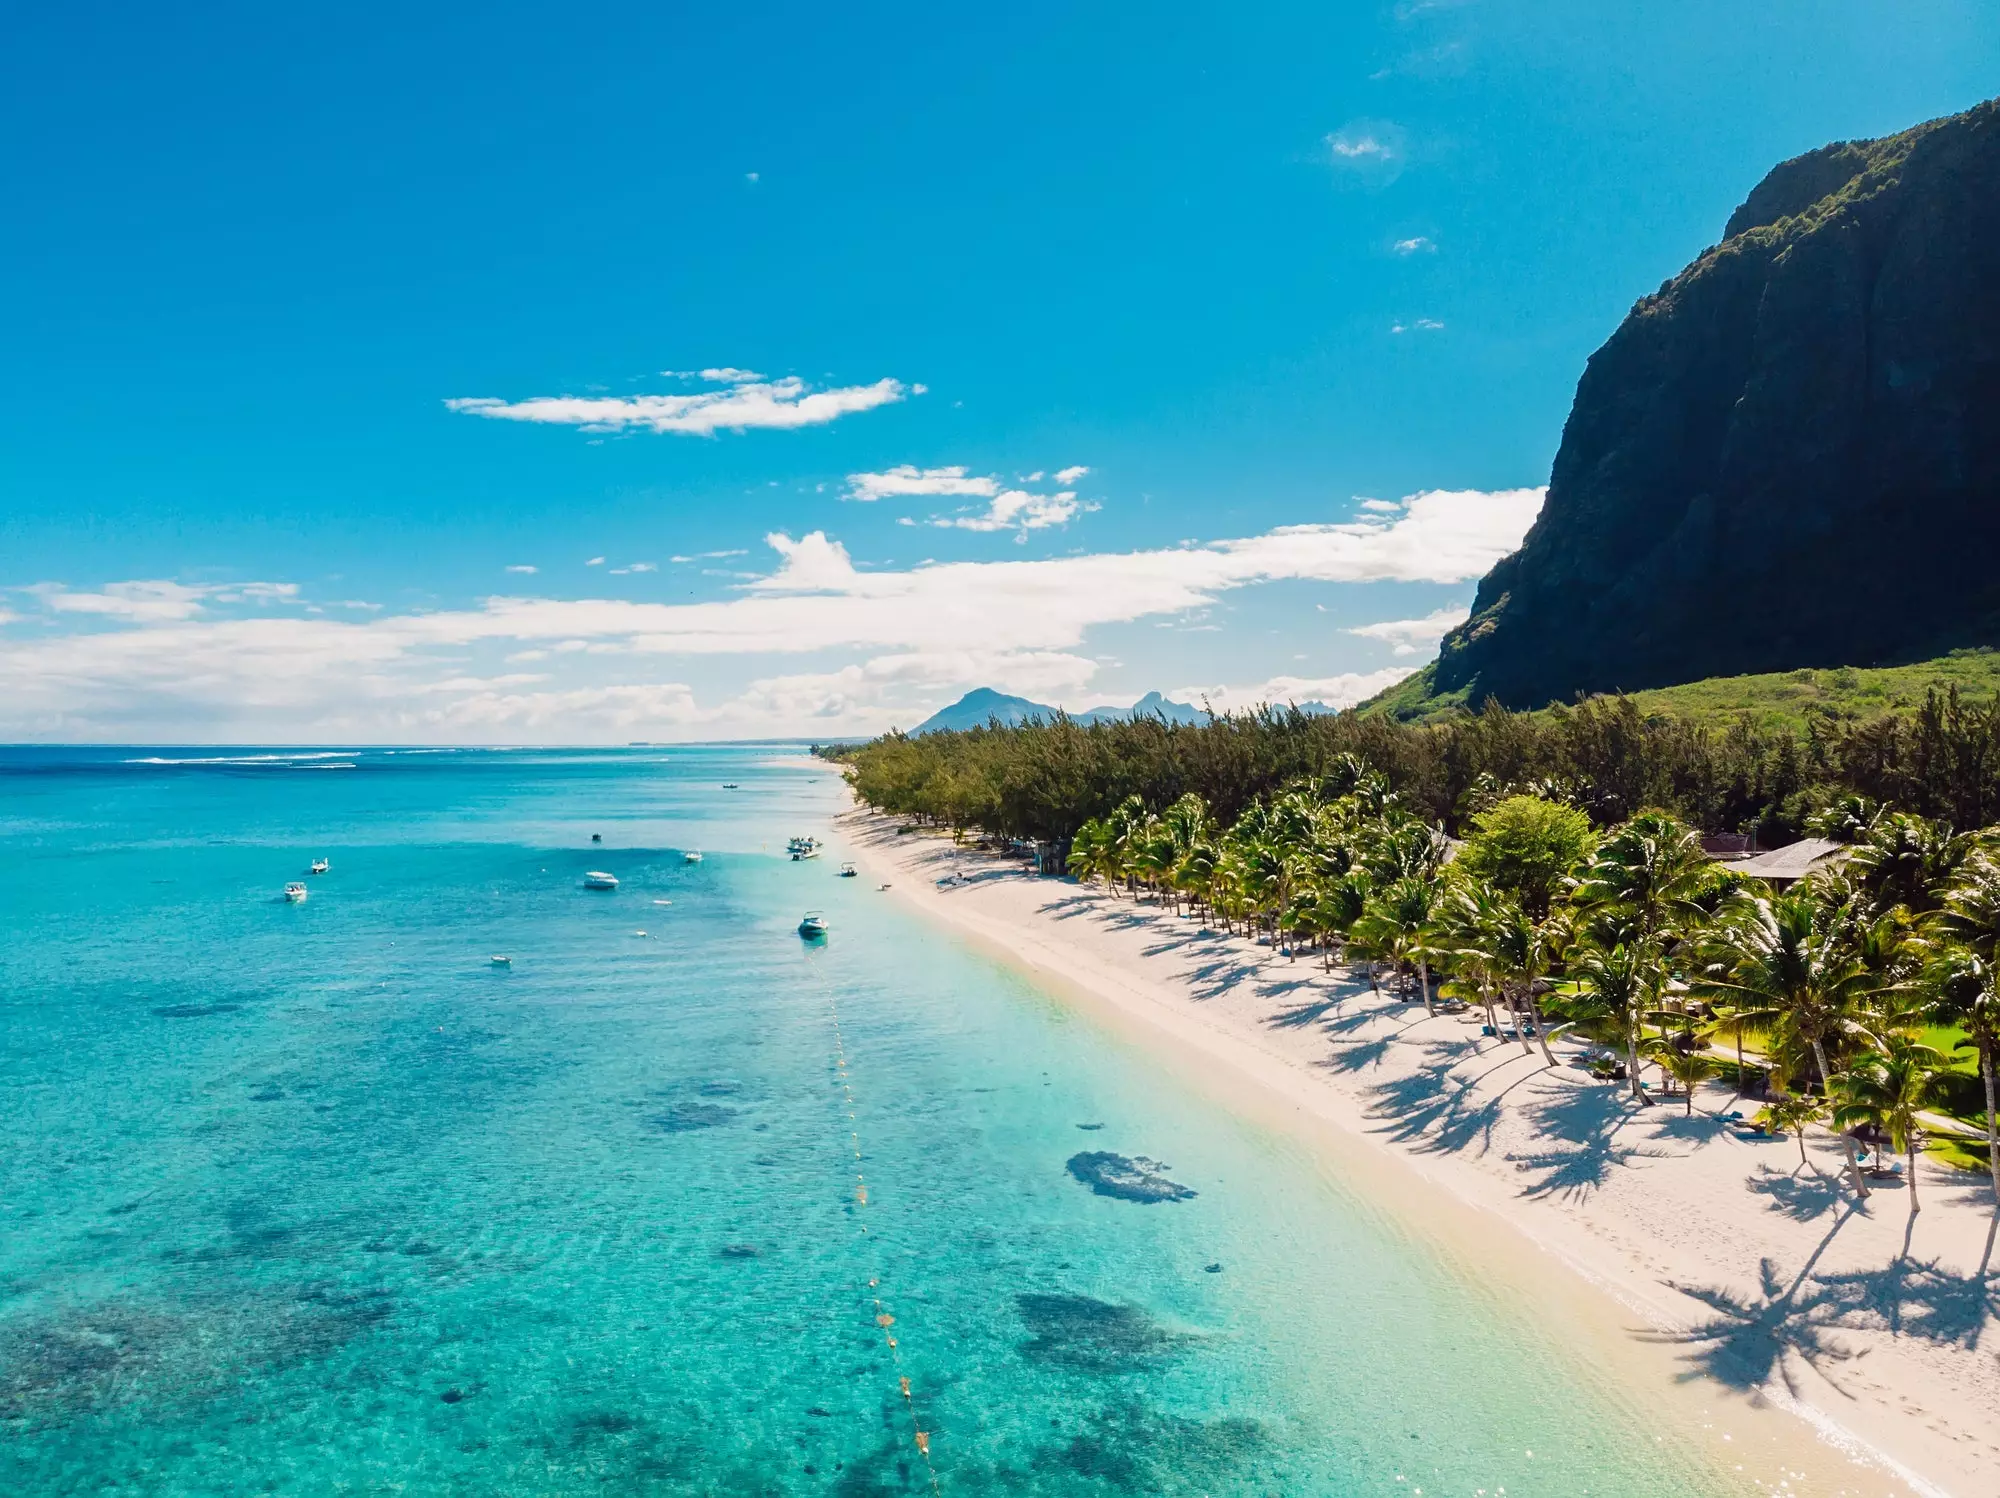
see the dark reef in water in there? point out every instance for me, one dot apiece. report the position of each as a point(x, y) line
point(1134, 1180)
point(1094, 1336)
point(685, 1118)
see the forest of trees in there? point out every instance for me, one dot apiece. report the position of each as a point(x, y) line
point(1045, 779)
point(1550, 867)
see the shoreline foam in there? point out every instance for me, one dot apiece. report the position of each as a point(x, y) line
point(1741, 1308)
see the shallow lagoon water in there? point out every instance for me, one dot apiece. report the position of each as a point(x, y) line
point(317, 1200)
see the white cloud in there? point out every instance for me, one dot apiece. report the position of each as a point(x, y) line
point(524, 568)
point(595, 562)
point(1421, 325)
point(1416, 245)
point(907, 478)
point(1019, 511)
point(749, 402)
point(1371, 151)
point(1414, 636)
point(727, 376)
point(156, 600)
point(635, 567)
point(1071, 475)
point(1334, 691)
point(165, 669)
point(1383, 506)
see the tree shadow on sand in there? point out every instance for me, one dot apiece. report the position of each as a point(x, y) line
point(1752, 1339)
point(1584, 1122)
point(1802, 1194)
point(1435, 1110)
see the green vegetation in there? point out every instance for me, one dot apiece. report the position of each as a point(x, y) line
point(1607, 757)
point(1780, 700)
point(1581, 888)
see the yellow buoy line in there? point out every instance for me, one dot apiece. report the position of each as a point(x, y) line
point(884, 1319)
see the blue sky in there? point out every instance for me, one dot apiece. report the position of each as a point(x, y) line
point(292, 301)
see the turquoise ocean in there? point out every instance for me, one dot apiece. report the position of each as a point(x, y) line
point(317, 1199)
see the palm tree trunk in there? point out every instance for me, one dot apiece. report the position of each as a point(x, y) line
point(1424, 982)
point(1541, 1030)
point(1914, 1140)
point(1992, 1137)
point(1520, 1030)
point(1632, 1059)
point(1846, 1140)
point(1802, 1145)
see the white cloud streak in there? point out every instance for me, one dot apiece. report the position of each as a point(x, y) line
point(156, 663)
point(1280, 691)
point(1414, 636)
point(776, 405)
point(907, 478)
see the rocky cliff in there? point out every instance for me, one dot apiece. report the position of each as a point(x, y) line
point(1787, 456)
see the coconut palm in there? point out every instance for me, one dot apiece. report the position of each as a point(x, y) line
point(1611, 987)
point(1889, 1089)
point(1777, 961)
point(1964, 989)
point(1906, 860)
point(1396, 924)
point(1793, 1113)
point(1690, 1068)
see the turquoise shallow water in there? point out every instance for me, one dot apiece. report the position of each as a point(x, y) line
point(315, 1200)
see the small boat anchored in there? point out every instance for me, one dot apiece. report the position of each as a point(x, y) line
point(501, 960)
point(296, 892)
point(598, 879)
point(847, 871)
point(803, 848)
point(813, 926)
point(320, 866)
point(693, 855)
point(730, 785)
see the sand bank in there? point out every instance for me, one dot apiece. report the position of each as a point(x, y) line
point(1740, 1288)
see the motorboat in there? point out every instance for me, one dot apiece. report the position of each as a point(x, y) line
point(847, 871)
point(693, 855)
point(730, 785)
point(597, 837)
point(501, 961)
point(812, 926)
point(320, 866)
point(598, 879)
point(802, 848)
point(296, 892)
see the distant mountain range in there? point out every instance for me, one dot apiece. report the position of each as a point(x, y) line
point(982, 704)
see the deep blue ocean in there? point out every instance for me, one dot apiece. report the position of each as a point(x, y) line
point(317, 1199)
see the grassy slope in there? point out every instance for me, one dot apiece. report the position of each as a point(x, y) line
point(1778, 699)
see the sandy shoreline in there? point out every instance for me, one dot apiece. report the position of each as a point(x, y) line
point(1714, 1255)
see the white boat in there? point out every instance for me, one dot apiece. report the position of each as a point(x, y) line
point(295, 892)
point(812, 925)
point(598, 879)
point(693, 855)
point(802, 847)
point(847, 871)
point(320, 866)
point(499, 961)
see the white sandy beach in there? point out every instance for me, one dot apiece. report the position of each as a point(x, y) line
point(1719, 1256)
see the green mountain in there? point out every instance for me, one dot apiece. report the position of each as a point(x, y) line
point(1787, 457)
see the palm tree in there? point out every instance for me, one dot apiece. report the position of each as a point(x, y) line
point(1396, 924)
point(1519, 951)
point(1613, 987)
point(1689, 1068)
point(1963, 976)
point(1792, 1113)
point(1906, 860)
point(1777, 960)
point(1965, 991)
point(1889, 1089)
